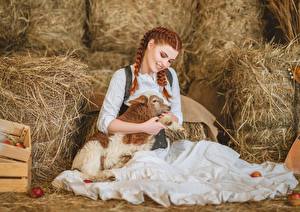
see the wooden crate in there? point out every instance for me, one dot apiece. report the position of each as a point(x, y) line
point(15, 162)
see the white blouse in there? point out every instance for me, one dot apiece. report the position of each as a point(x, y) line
point(115, 95)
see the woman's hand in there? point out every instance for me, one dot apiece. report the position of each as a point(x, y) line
point(152, 126)
point(173, 117)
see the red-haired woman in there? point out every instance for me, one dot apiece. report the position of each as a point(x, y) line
point(187, 172)
point(151, 71)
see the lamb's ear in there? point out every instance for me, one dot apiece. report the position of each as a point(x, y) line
point(140, 100)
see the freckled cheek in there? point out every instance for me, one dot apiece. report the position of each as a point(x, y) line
point(157, 57)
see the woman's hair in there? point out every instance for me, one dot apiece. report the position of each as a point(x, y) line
point(160, 35)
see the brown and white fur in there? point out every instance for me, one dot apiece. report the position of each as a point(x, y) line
point(102, 153)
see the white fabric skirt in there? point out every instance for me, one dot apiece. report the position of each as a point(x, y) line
point(186, 173)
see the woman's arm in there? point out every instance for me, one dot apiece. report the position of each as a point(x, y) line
point(107, 122)
point(112, 101)
point(152, 126)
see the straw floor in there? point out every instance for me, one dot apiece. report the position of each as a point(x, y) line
point(67, 201)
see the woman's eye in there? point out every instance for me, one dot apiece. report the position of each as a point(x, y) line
point(163, 55)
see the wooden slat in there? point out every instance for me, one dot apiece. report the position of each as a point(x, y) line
point(15, 169)
point(14, 152)
point(27, 137)
point(14, 185)
point(5, 160)
point(29, 176)
point(11, 128)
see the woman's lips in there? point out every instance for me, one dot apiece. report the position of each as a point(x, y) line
point(160, 67)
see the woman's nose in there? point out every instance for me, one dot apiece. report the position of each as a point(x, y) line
point(166, 64)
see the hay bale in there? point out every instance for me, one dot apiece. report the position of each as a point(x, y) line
point(269, 144)
point(282, 20)
point(108, 60)
point(297, 107)
point(260, 100)
point(14, 16)
point(89, 114)
point(96, 96)
point(47, 94)
point(223, 25)
point(194, 131)
point(102, 79)
point(118, 26)
point(230, 22)
point(56, 26)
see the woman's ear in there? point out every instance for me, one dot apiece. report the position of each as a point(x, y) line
point(151, 44)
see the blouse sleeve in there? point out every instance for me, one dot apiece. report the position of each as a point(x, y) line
point(176, 99)
point(113, 100)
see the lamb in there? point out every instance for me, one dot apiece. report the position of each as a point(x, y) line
point(102, 153)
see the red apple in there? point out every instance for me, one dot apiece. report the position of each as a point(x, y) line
point(294, 199)
point(36, 192)
point(87, 181)
point(7, 142)
point(255, 174)
point(294, 196)
point(19, 144)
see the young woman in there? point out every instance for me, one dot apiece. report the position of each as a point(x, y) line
point(186, 172)
point(151, 71)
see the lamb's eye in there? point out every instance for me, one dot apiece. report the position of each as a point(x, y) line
point(154, 101)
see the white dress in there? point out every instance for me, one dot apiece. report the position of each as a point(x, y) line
point(186, 172)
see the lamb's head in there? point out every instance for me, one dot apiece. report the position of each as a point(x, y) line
point(151, 105)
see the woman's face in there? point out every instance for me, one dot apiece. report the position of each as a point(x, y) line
point(160, 56)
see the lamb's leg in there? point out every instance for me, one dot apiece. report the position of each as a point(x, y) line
point(88, 159)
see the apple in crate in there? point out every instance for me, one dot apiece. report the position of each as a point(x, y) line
point(20, 144)
point(7, 142)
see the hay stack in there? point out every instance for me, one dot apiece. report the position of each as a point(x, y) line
point(283, 26)
point(87, 122)
point(108, 60)
point(118, 26)
point(260, 101)
point(282, 20)
point(47, 94)
point(194, 131)
point(14, 16)
point(223, 25)
point(56, 26)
